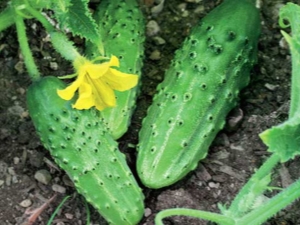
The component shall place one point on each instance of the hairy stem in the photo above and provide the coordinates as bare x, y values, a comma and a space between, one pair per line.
274, 205
214, 217
260, 174
25, 49
37, 15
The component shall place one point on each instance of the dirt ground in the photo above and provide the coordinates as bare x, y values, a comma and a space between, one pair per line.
28, 176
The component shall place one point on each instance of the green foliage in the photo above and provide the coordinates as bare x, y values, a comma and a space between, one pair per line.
284, 139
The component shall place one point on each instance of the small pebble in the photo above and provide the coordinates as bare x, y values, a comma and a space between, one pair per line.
147, 212
159, 41
60, 223
20, 66
16, 160
213, 185
235, 120
43, 176
8, 179
202, 173
155, 55
14, 179
271, 87
158, 8
11, 171
152, 28
26, 203
182, 7
3, 167
58, 188
69, 216
1, 182
21, 91
16, 110
199, 9
237, 147
185, 14
53, 65
283, 44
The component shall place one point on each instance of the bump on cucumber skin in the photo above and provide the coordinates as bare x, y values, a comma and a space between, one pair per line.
200, 88
82, 147
122, 31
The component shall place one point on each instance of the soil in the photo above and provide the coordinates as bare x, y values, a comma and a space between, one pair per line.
233, 157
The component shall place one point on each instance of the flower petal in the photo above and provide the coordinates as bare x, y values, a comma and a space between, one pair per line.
96, 71
85, 100
120, 81
104, 96
114, 61
68, 92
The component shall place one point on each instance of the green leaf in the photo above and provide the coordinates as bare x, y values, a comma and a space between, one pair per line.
289, 16
61, 8
41, 4
75, 16
284, 139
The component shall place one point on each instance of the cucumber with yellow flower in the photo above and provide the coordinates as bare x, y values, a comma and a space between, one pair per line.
67, 119
121, 27
69, 127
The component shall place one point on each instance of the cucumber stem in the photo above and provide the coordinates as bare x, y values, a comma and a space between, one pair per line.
260, 174
37, 15
214, 217
274, 205
25, 49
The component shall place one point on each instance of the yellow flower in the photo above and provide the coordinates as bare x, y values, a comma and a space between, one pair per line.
96, 84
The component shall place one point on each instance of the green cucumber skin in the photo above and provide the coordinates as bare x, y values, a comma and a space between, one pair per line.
200, 88
83, 148
121, 26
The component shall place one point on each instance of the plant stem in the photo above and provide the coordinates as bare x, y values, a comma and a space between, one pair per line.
274, 205
37, 15
88, 213
214, 217
56, 210
6, 18
59, 40
261, 173
25, 49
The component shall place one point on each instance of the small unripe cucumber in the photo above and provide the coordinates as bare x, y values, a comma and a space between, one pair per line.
121, 27
82, 147
200, 88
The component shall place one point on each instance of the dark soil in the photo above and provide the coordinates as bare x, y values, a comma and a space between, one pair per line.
232, 158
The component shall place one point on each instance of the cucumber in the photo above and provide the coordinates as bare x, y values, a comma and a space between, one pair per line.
121, 27
82, 147
200, 87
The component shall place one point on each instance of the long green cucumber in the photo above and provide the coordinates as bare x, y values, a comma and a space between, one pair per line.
200, 87
82, 147
121, 27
